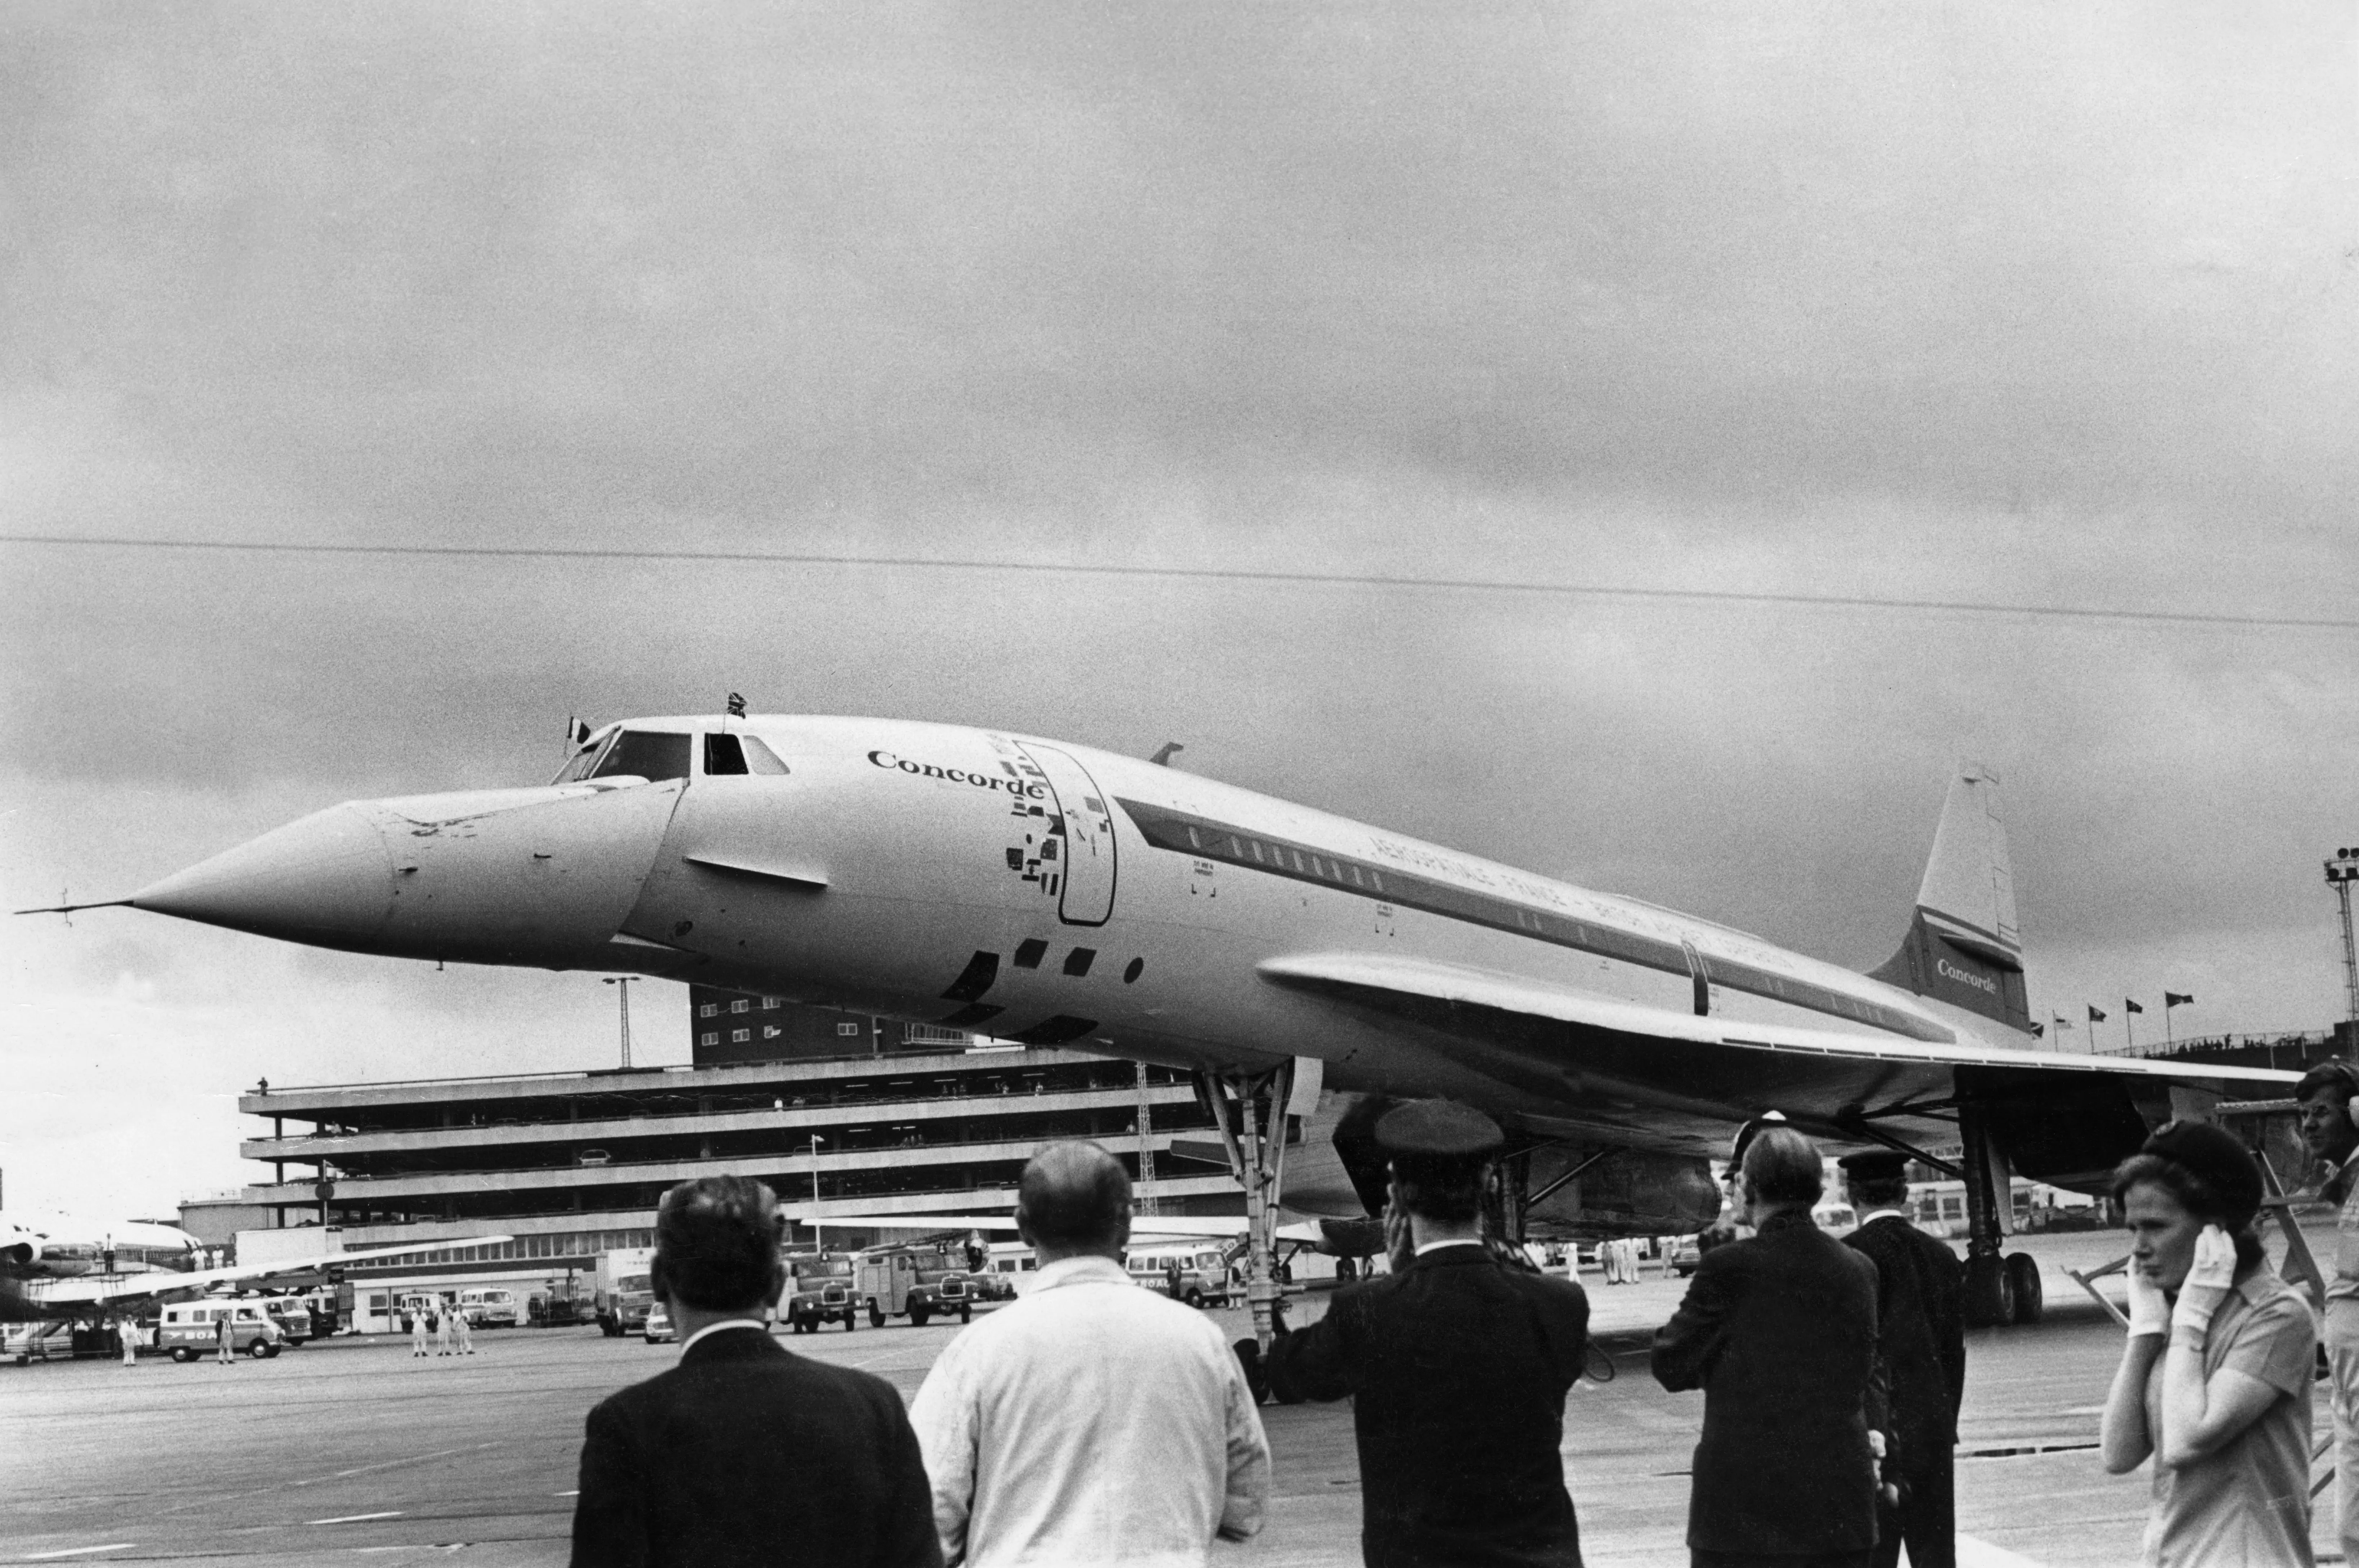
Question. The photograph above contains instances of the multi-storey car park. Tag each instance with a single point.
(567, 1165)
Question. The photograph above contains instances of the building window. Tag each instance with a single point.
(710, 1037)
(769, 1004)
(848, 1029)
(740, 1005)
(708, 1009)
(739, 1037)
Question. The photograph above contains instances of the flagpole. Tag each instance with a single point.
(2129, 1033)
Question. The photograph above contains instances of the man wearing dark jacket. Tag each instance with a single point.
(1922, 1332)
(1779, 1332)
(1458, 1366)
(746, 1453)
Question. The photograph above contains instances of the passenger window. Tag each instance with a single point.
(650, 755)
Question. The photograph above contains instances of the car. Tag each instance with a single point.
(593, 1156)
(659, 1329)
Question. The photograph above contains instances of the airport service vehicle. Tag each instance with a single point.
(822, 1287)
(557, 1308)
(920, 1283)
(658, 1329)
(490, 1306)
(624, 1294)
(1310, 969)
(40, 1340)
(190, 1329)
(292, 1315)
(1203, 1272)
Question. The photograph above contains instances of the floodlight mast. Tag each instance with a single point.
(2341, 872)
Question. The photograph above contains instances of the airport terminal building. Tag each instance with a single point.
(837, 1112)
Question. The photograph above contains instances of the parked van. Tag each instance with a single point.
(1203, 1272)
(489, 1306)
(190, 1329)
(293, 1316)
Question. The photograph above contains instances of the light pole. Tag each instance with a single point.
(816, 1240)
(2341, 872)
(622, 985)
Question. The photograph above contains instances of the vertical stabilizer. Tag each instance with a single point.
(1963, 946)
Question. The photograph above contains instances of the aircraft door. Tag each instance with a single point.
(1086, 874)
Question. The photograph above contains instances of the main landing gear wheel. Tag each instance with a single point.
(1990, 1292)
(2023, 1281)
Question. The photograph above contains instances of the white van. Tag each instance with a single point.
(489, 1306)
(1203, 1272)
(191, 1329)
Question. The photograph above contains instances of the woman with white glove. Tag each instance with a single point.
(2214, 1384)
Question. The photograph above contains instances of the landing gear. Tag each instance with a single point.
(1251, 1109)
(2000, 1290)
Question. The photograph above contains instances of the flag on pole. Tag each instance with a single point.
(580, 730)
(2061, 1021)
(2128, 1006)
(2096, 1014)
(2172, 998)
(736, 706)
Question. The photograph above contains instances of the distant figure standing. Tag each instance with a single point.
(2327, 1094)
(462, 1335)
(1779, 1333)
(746, 1454)
(441, 1321)
(1088, 1421)
(225, 1336)
(417, 1328)
(1457, 1367)
(2215, 1381)
(1922, 1332)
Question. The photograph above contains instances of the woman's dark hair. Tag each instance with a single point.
(2194, 1194)
(717, 1245)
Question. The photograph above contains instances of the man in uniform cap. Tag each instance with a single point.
(1458, 1366)
(1922, 1334)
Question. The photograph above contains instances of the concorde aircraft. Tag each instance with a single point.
(1308, 968)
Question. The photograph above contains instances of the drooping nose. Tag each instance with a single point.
(326, 880)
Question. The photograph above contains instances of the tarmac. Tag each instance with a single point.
(352, 1451)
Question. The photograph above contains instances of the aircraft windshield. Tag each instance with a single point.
(630, 1283)
(829, 1269)
(649, 754)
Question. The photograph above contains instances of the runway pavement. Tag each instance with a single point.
(352, 1451)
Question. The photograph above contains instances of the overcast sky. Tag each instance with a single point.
(2030, 305)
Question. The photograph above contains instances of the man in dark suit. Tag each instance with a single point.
(745, 1454)
(1458, 1366)
(1921, 1331)
(1779, 1332)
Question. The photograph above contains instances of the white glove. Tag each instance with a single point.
(2149, 1308)
(2209, 1280)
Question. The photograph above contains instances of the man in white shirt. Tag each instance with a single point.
(1089, 1421)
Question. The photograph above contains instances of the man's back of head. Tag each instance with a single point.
(1073, 1199)
(717, 1245)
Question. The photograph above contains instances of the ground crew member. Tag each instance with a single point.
(463, 1333)
(1457, 1365)
(225, 1337)
(127, 1330)
(2326, 1097)
(416, 1329)
(441, 1324)
(1920, 1332)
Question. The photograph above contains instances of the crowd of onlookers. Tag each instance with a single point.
(1094, 1421)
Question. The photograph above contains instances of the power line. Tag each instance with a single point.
(1212, 575)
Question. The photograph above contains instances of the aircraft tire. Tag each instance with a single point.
(2023, 1278)
(1990, 1295)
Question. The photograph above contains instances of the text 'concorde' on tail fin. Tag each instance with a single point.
(1963, 947)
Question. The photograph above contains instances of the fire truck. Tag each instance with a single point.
(918, 1282)
(822, 1287)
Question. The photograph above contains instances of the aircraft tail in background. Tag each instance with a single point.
(1963, 946)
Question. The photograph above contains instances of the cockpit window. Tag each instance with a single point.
(649, 754)
(739, 753)
(579, 769)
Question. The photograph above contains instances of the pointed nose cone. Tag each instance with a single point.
(326, 880)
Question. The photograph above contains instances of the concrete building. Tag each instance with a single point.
(836, 1111)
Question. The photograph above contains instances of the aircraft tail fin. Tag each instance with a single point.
(1963, 946)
